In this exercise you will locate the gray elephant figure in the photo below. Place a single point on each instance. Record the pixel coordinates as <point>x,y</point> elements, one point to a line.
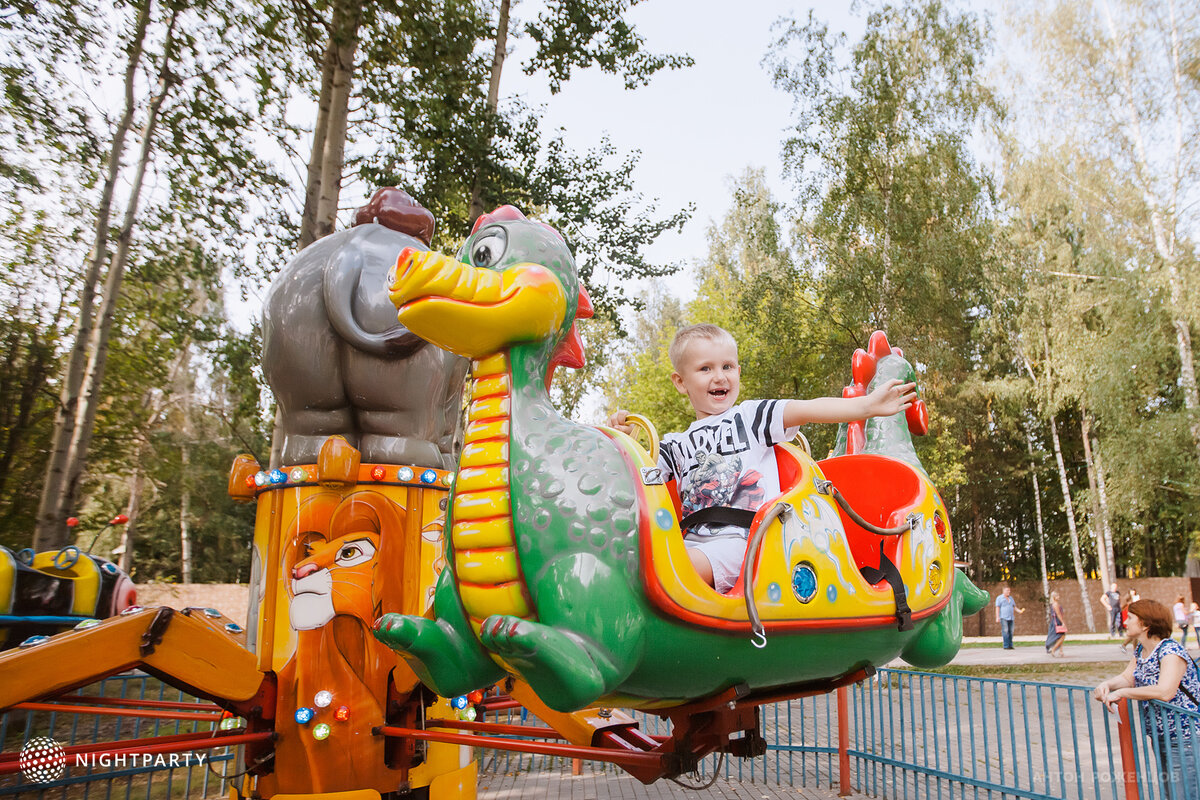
<point>339,362</point>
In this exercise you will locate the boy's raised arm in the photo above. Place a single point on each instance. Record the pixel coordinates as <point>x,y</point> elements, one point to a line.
<point>889,398</point>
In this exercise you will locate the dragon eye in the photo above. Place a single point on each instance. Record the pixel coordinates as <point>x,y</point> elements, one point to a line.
<point>355,552</point>
<point>489,247</point>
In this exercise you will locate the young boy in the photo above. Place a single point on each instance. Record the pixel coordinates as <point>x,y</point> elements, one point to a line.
<point>725,458</point>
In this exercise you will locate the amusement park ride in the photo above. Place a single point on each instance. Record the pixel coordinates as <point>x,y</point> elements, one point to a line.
<point>398,599</point>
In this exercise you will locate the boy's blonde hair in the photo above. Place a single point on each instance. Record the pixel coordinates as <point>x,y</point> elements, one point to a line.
<point>685,336</point>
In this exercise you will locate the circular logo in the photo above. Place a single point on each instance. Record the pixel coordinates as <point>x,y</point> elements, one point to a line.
<point>43,760</point>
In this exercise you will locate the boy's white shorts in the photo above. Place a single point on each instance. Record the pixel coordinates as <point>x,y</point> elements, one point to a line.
<point>725,553</point>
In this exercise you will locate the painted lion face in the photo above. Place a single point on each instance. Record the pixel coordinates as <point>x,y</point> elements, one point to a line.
<point>335,578</point>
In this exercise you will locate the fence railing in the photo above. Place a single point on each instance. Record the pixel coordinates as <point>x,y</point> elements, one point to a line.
<point>115,777</point>
<point>907,734</point>
<point>1168,750</point>
<point>901,734</point>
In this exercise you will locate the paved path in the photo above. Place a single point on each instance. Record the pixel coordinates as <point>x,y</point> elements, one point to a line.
<point>602,786</point>
<point>1032,650</point>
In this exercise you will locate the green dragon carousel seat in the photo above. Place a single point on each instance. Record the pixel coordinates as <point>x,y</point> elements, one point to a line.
<point>566,567</point>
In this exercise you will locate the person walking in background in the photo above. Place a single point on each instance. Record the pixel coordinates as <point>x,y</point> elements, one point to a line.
<point>1196,622</point>
<point>1005,608</point>
<point>1181,618</point>
<point>1111,600</point>
<point>1058,628</point>
<point>1130,598</point>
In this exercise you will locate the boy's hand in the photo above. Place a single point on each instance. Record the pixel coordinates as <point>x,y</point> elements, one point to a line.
<point>891,398</point>
<point>617,420</point>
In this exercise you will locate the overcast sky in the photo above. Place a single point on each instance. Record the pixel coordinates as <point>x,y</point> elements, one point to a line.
<point>697,127</point>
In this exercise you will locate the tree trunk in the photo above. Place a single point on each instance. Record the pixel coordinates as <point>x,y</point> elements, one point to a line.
<point>1037,505</point>
<point>312,186</point>
<point>137,482</point>
<point>1076,559</point>
<point>1097,522</point>
<point>85,420</point>
<point>185,508</point>
<point>343,42</point>
<point>493,103</point>
<point>1105,516</point>
<point>50,532</point>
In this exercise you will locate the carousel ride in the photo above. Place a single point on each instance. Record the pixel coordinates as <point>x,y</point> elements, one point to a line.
<point>404,587</point>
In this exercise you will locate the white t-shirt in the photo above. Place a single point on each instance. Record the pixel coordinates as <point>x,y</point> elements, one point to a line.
<point>727,460</point>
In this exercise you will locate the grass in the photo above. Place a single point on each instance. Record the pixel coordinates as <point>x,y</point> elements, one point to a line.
<point>1077,674</point>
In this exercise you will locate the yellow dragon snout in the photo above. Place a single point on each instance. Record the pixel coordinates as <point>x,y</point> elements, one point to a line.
<point>471,311</point>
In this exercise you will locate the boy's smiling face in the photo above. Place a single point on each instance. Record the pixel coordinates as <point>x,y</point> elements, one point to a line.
<point>709,375</point>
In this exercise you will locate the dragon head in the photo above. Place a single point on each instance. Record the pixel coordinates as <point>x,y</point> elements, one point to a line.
<point>514,281</point>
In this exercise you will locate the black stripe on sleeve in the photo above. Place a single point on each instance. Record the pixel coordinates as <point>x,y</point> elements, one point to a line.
<point>772,413</point>
<point>757,426</point>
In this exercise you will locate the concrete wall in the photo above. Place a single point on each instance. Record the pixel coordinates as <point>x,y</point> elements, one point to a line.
<point>231,599</point>
<point>1028,595</point>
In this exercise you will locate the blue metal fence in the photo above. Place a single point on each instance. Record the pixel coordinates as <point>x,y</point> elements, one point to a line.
<point>96,782</point>
<point>923,735</point>
<point>911,735</point>
<point>1168,761</point>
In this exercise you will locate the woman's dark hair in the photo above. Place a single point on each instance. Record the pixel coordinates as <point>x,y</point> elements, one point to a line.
<point>1155,617</point>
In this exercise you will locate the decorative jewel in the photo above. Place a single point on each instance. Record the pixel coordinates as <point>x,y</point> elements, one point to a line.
<point>935,578</point>
<point>428,476</point>
<point>342,713</point>
<point>378,473</point>
<point>211,613</point>
<point>321,731</point>
<point>298,475</point>
<point>304,715</point>
<point>475,697</point>
<point>448,479</point>
<point>251,482</point>
<point>323,698</point>
<point>131,610</point>
<point>831,593</point>
<point>467,713</point>
<point>663,518</point>
<point>33,640</point>
<point>774,593</point>
<point>72,522</point>
<point>404,474</point>
<point>278,476</point>
<point>261,478</point>
<point>459,702</point>
<point>229,723</point>
<point>939,525</point>
<point>804,582</point>
<point>233,627</point>
<point>84,624</point>
<point>109,567</point>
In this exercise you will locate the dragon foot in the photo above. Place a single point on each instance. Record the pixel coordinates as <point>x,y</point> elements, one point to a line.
<point>445,661</point>
<point>564,672</point>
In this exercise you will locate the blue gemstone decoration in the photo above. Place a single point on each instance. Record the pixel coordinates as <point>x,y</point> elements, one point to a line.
<point>109,567</point>
<point>304,715</point>
<point>212,612</point>
<point>232,627</point>
<point>774,592</point>
<point>278,476</point>
<point>459,702</point>
<point>804,582</point>
<point>663,518</point>
<point>428,476</point>
<point>34,640</point>
<point>831,593</point>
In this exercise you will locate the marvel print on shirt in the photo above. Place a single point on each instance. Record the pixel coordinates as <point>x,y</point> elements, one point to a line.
<point>727,460</point>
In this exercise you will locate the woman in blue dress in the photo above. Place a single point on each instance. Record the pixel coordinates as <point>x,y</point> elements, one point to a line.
<point>1162,670</point>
